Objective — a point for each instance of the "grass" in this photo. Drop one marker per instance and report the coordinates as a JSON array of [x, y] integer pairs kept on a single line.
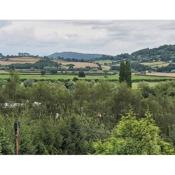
[[151, 84], [103, 61], [135, 78], [79, 64], [156, 64], [19, 60]]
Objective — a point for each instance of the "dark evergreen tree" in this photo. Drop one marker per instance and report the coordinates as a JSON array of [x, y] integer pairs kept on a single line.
[[125, 73], [81, 74], [128, 73], [122, 72], [43, 72]]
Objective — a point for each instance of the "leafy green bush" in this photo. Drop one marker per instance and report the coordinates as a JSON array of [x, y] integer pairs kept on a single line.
[[134, 136]]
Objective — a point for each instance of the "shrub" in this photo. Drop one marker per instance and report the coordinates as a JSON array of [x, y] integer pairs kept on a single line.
[[43, 72], [81, 74], [134, 136]]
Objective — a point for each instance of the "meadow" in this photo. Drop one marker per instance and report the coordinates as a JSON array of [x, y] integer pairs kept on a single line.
[[156, 64], [38, 76]]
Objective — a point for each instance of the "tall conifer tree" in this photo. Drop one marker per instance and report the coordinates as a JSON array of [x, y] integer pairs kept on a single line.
[[125, 73], [122, 72], [128, 73]]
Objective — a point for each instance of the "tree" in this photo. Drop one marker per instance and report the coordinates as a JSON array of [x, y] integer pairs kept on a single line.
[[124, 99], [53, 71], [6, 147], [26, 145], [28, 83], [134, 136], [75, 135], [12, 85], [81, 74], [128, 73], [122, 72], [40, 149], [43, 72], [125, 73]]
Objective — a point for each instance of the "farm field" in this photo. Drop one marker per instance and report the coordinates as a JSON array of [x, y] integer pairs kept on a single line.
[[104, 61], [105, 64], [163, 74], [78, 64], [19, 60], [32, 60], [156, 64], [135, 78]]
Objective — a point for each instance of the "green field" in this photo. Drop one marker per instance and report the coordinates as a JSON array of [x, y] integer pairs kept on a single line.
[[104, 61], [151, 84], [135, 78]]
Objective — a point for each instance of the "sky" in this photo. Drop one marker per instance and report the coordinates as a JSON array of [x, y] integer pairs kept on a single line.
[[110, 37]]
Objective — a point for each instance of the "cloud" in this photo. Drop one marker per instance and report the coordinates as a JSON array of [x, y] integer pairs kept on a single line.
[[91, 36]]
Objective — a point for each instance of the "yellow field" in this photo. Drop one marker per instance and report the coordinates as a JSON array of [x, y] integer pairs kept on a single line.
[[19, 60], [156, 64], [161, 74], [78, 64], [32, 60]]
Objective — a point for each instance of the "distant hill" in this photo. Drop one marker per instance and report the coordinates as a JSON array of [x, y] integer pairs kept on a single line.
[[75, 55], [163, 53]]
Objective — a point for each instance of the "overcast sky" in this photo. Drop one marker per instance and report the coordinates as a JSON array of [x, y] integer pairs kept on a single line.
[[106, 37]]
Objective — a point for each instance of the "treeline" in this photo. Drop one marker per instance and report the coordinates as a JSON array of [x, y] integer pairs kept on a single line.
[[49, 65], [135, 66], [41, 64], [87, 118], [169, 68], [163, 53]]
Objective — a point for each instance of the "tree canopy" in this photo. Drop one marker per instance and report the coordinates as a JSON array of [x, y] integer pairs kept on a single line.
[[125, 73], [134, 136]]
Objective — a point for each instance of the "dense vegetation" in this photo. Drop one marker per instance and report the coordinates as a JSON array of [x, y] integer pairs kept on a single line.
[[44, 63], [79, 117], [169, 68], [164, 53], [134, 136], [138, 59]]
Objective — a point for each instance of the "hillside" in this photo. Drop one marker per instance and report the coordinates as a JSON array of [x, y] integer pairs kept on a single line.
[[163, 53], [19, 60], [74, 55]]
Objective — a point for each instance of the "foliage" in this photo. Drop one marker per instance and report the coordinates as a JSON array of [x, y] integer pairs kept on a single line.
[[164, 53], [168, 68], [125, 73], [12, 85], [134, 136], [140, 67], [68, 117], [41, 64], [43, 72], [81, 74]]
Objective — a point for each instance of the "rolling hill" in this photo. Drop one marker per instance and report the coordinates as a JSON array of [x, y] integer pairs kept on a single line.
[[74, 55], [162, 53]]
